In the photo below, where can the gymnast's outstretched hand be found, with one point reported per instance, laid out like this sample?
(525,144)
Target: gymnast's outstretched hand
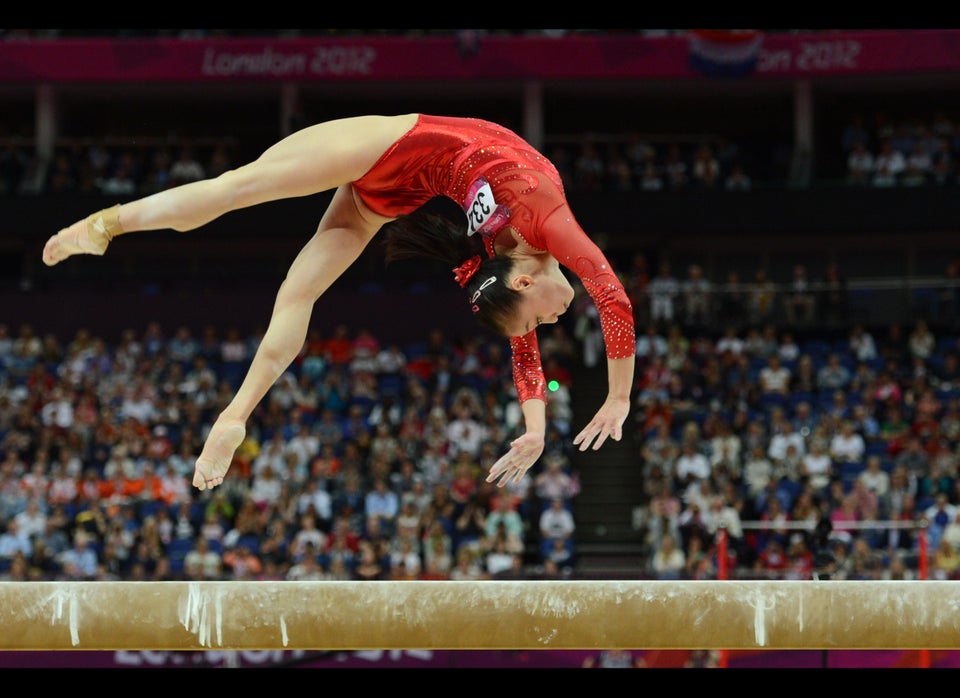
(214,461)
(607,422)
(513,465)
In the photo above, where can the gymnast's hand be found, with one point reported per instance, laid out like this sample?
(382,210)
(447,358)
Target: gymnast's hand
(513,465)
(608,421)
(217,455)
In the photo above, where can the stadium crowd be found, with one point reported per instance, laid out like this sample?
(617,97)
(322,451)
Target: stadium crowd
(366,459)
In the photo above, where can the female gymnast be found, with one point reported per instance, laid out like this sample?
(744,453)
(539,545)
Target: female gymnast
(506,252)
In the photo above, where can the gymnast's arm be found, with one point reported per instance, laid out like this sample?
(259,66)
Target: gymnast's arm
(567,242)
(531,391)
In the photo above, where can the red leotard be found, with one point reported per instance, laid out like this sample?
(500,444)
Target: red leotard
(450,156)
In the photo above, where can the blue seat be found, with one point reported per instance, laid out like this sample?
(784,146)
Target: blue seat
(816,348)
(177,553)
(414,350)
(850,471)
(391,384)
(150,507)
(798,396)
(769,401)
(251,542)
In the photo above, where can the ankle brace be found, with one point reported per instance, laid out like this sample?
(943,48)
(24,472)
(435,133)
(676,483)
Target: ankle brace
(104,225)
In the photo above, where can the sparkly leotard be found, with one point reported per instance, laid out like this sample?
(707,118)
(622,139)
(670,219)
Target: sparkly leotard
(459,157)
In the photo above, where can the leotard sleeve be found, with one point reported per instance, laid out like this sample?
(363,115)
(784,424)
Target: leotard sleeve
(527,369)
(571,246)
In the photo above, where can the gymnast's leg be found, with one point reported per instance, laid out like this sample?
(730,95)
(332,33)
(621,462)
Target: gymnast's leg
(315,159)
(345,230)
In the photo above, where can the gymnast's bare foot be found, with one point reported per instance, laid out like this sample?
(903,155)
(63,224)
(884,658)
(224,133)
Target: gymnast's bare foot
(89,236)
(217,455)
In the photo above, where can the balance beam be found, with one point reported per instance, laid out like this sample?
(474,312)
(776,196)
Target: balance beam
(480,615)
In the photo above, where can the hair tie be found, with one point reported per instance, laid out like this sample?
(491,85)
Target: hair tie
(465,271)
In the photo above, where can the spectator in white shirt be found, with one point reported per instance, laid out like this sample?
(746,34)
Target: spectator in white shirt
(860,164)
(847,445)
(663,289)
(777,449)
(889,160)
(556,521)
(775,377)
(816,466)
(874,477)
(862,344)
(691,465)
(32,521)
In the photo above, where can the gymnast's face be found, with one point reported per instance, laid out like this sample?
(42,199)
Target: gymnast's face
(546,295)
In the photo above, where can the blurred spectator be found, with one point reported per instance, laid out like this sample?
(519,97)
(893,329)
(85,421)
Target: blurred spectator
(675,169)
(946,561)
(186,168)
(833,375)
(556,522)
(62,176)
(855,132)
(921,342)
(860,165)
(555,481)
(79,562)
(943,168)
(307,567)
(696,293)
(668,561)
(761,297)
(847,445)
(242,563)
(650,176)
(619,174)
(774,378)
(122,181)
(157,172)
(705,169)
(14,540)
(732,300)
(468,566)
(203,563)
(738,179)
(783,439)
(664,291)
(861,343)
(588,167)
(220,160)
(889,165)
(816,467)
(800,302)
(832,298)
(614,659)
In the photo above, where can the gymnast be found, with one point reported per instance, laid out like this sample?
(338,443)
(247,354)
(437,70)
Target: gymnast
(505,252)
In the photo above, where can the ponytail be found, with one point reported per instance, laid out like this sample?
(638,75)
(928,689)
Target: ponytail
(424,233)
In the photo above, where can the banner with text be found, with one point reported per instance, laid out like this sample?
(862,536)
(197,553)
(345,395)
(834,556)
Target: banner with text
(431,59)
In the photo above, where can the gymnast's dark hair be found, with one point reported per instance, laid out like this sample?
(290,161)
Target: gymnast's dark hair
(426,233)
